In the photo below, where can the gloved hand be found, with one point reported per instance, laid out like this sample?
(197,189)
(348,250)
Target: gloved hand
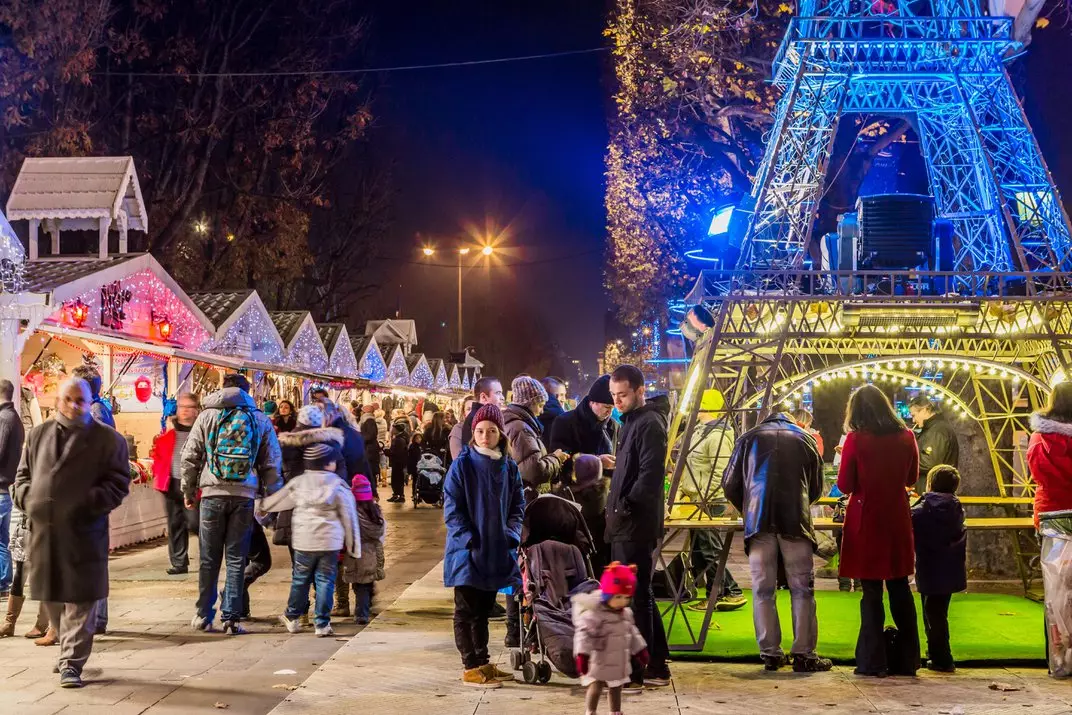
(643,657)
(582,663)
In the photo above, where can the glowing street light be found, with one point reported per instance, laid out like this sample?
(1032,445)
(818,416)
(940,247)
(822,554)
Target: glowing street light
(463,251)
(428,251)
(487,250)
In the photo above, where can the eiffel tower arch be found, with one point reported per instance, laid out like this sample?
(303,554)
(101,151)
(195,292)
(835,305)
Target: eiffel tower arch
(986,338)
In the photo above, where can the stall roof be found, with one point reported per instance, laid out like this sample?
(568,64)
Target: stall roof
(330,334)
(288,323)
(392,331)
(219,305)
(78,187)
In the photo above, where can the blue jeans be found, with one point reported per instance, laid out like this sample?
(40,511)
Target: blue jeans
(224,533)
(310,566)
(5,534)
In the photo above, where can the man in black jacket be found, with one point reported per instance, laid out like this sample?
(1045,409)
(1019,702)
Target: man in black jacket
(774,475)
(586,429)
(936,439)
(635,506)
(12,435)
(553,408)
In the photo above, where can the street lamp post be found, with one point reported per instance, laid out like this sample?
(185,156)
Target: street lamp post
(461,252)
(486,251)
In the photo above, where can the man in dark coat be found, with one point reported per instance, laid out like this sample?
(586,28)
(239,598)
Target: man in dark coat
(12,434)
(586,429)
(553,408)
(774,475)
(486,390)
(936,438)
(635,507)
(74,472)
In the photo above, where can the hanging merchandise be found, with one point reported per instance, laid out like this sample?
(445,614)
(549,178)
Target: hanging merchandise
(113,301)
(143,389)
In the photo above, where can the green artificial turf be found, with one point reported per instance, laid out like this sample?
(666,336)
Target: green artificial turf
(984,628)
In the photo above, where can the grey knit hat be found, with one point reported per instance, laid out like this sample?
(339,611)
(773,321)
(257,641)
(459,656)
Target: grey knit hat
(527,390)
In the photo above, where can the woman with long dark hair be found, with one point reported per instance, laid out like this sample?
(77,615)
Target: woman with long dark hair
(286,417)
(879,462)
(437,438)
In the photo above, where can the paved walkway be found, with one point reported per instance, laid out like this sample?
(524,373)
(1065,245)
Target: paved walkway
(405,662)
(153,662)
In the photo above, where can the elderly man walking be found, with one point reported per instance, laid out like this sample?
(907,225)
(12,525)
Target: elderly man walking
(74,472)
(11,438)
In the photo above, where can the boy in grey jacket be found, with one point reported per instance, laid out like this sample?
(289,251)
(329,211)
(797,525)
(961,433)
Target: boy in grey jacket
(324,521)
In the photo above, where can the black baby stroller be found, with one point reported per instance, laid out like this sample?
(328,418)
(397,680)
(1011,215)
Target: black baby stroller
(428,484)
(554,560)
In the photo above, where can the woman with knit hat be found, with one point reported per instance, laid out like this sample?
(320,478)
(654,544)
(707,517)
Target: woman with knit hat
(483,506)
(523,430)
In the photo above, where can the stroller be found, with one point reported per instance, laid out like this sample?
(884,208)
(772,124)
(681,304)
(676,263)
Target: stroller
(555,567)
(428,484)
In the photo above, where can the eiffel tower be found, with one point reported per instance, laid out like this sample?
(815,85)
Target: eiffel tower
(946,70)
(986,340)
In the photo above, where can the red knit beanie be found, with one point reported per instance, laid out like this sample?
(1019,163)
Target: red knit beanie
(490,413)
(618,580)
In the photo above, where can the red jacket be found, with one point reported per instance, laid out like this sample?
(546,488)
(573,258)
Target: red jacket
(1049,457)
(161,452)
(877,537)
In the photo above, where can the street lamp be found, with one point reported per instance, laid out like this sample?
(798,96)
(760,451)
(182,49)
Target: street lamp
(461,252)
(487,250)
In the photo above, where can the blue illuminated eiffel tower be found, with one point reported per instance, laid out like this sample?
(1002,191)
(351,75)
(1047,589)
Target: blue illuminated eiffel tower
(940,62)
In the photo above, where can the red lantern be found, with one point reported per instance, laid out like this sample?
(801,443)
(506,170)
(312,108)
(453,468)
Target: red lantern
(143,388)
(76,312)
(165,329)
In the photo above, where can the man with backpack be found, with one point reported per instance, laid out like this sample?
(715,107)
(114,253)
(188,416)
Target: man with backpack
(232,455)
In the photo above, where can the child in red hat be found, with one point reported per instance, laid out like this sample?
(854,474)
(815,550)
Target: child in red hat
(605,638)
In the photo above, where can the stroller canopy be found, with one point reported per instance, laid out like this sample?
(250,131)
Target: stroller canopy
(552,518)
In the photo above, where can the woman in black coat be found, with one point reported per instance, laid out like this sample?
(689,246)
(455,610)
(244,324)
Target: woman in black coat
(373,450)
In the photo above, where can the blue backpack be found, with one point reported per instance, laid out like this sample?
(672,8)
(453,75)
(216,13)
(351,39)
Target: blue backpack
(232,445)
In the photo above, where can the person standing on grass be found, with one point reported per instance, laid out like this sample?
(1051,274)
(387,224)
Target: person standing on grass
(941,554)
(74,472)
(324,522)
(937,440)
(483,506)
(879,462)
(635,507)
(232,456)
(774,475)
(167,479)
(12,434)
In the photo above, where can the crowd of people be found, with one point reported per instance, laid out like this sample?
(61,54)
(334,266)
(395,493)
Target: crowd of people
(228,470)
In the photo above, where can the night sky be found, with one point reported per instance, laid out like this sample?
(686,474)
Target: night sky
(519,146)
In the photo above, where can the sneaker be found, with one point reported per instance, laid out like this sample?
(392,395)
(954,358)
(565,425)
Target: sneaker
(324,631)
(731,603)
(772,663)
(341,612)
(811,665)
(493,672)
(292,625)
(70,678)
(477,678)
(632,688)
(233,628)
(200,623)
(177,570)
(940,668)
(700,605)
(657,678)
(304,620)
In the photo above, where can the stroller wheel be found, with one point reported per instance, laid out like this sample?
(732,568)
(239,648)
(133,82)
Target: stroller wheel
(529,673)
(543,672)
(517,659)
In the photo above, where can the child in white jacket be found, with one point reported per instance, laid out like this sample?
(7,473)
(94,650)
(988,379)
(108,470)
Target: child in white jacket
(325,521)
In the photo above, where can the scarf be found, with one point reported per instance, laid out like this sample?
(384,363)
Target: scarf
(493,453)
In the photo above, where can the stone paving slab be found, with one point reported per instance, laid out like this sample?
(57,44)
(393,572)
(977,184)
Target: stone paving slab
(153,662)
(405,662)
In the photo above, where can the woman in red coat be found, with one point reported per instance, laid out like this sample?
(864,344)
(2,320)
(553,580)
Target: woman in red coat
(878,462)
(1049,454)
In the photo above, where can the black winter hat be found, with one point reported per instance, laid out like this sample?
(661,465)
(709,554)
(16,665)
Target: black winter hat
(600,391)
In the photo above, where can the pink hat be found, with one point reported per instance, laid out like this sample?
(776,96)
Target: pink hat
(490,413)
(361,488)
(618,580)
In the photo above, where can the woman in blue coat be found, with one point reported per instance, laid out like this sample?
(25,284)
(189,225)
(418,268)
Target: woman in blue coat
(483,506)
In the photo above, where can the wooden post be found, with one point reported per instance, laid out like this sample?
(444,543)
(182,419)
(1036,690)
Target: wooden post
(34,223)
(102,252)
(54,231)
(122,232)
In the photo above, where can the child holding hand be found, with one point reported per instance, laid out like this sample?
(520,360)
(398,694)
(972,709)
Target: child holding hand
(606,638)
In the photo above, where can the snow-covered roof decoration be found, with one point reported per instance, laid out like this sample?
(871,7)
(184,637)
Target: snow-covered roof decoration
(393,331)
(442,382)
(454,379)
(301,340)
(341,357)
(130,294)
(370,363)
(243,326)
(467,382)
(465,359)
(420,374)
(69,189)
(397,370)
